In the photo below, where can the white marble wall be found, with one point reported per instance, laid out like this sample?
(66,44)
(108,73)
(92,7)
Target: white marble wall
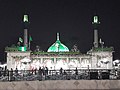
(61,85)
(11,63)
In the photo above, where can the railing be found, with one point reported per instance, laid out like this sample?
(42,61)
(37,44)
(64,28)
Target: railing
(78,74)
(103,49)
(54,53)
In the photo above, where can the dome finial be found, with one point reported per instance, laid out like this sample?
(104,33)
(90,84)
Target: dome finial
(57,36)
(58,46)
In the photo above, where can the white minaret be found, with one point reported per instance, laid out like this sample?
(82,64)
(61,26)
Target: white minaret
(25,22)
(95,24)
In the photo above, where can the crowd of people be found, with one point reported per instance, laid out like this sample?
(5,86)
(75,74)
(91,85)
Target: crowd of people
(43,74)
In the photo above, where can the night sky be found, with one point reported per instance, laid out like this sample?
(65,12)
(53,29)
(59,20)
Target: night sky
(71,18)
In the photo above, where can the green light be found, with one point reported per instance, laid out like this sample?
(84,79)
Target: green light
(22,48)
(25,19)
(95,19)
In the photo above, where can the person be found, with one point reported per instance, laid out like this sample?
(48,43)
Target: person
(76,71)
(40,71)
(46,71)
(64,72)
(61,71)
(16,71)
(7,74)
(11,75)
(35,71)
(43,71)
(2,72)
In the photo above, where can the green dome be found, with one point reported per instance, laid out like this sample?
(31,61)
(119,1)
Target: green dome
(58,46)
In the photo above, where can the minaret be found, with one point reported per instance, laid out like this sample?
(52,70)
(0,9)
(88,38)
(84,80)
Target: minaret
(95,25)
(25,22)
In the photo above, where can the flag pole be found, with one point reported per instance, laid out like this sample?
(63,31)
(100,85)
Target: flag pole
(30,39)
(29,45)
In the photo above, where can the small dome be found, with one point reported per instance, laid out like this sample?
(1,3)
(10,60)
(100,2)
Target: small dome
(58,46)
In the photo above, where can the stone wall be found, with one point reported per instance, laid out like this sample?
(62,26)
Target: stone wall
(61,85)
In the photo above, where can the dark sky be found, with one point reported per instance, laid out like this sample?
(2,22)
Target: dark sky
(72,18)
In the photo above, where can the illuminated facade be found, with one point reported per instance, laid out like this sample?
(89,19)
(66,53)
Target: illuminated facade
(59,56)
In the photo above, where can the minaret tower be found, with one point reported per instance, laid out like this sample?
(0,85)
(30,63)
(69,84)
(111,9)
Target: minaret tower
(95,25)
(25,22)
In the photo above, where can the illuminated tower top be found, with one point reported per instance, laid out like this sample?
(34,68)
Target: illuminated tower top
(25,21)
(95,21)
(25,18)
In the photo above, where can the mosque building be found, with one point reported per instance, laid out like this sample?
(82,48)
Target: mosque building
(58,55)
